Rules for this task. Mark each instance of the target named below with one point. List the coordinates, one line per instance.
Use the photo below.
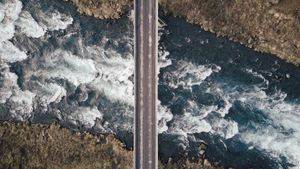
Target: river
(58, 64)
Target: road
(146, 32)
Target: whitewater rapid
(57, 64)
(247, 102)
(51, 67)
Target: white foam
(2, 10)
(7, 31)
(285, 116)
(12, 9)
(189, 124)
(164, 115)
(29, 26)
(11, 15)
(85, 116)
(115, 82)
(188, 74)
(21, 105)
(194, 121)
(10, 53)
(8, 83)
(9, 12)
(268, 138)
(163, 60)
(225, 128)
(200, 112)
(224, 110)
(64, 65)
(49, 92)
(106, 71)
(264, 84)
(55, 20)
(115, 73)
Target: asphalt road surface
(146, 32)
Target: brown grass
(36, 146)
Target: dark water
(253, 83)
(242, 104)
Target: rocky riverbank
(271, 26)
(40, 146)
(50, 146)
(102, 9)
